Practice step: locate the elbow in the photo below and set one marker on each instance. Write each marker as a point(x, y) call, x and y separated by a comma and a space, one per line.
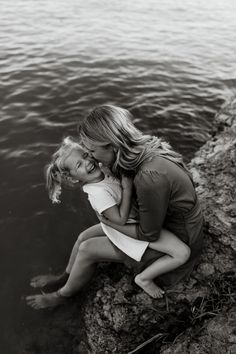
point(121, 222)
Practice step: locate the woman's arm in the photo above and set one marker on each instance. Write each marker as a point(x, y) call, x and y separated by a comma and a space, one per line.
point(153, 192)
point(118, 214)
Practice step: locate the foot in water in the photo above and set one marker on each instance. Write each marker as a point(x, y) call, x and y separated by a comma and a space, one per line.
point(149, 287)
point(46, 300)
point(42, 281)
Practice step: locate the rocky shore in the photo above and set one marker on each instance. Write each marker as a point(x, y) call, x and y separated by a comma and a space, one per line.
point(196, 316)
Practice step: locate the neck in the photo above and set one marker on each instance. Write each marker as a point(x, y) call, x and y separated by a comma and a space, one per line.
point(98, 179)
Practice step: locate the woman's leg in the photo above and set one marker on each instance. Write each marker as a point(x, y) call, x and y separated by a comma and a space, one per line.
point(175, 252)
point(59, 280)
point(93, 231)
point(91, 251)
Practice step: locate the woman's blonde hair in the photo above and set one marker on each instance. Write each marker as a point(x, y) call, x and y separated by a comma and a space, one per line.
point(113, 125)
point(56, 172)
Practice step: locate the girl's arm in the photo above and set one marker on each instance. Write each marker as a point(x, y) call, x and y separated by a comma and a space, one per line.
point(127, 229)
point(118, 214)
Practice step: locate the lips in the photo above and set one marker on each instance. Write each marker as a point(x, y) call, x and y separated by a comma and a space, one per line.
point(91, 167)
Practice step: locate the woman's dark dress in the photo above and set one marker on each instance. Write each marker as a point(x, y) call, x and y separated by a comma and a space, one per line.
point(167, 199)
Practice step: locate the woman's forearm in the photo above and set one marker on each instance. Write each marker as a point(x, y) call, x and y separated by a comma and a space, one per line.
point(125, 205)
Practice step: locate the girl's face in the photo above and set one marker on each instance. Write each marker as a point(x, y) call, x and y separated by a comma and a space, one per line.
point(102, 153)
point(82, 167)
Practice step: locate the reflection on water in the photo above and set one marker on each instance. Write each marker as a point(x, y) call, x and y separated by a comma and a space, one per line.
point(171, 63)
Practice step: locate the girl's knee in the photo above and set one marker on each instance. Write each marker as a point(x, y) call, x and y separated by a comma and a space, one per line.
point(185, 254)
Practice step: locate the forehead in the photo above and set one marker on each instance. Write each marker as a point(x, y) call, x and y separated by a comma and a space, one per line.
point(73, 157)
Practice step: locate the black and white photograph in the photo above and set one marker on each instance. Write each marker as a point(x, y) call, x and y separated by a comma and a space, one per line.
point(118, 166)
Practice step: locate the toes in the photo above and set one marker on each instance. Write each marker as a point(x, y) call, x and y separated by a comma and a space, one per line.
point(34, 301)
point(38, 282)
point(33, 284)
point(30, 297)
point(37, 278)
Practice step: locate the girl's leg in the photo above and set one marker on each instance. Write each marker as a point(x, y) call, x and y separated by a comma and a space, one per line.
point(60, 279)
point(176, 253)
point(91, 251)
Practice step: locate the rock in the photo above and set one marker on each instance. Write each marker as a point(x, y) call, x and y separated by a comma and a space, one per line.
point(216, 336)
point(121, 317)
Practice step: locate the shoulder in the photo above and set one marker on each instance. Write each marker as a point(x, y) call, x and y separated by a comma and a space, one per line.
point(156, 166)
point(155, 172)
point(93, 188)
point(156, 163)
point(160, 166)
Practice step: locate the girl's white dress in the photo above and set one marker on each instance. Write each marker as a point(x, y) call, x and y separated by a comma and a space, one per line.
point(105, 194)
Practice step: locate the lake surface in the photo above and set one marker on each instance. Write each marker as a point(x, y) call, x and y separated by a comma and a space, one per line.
point(172, 63)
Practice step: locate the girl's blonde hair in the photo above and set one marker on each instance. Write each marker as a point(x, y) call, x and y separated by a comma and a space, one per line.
point(113, 125)
point(56, 172)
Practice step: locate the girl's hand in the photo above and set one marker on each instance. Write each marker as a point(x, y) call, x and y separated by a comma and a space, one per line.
point(99, 216)
point(126, 182)
point(102, 218)
point(105, 221)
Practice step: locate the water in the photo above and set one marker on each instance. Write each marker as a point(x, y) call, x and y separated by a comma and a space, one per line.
point(172, 63)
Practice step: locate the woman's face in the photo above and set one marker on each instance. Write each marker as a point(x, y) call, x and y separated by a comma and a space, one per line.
point(102, 153)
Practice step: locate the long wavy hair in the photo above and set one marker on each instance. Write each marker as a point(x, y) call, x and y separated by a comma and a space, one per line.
point(56, 173)
point(113, 125)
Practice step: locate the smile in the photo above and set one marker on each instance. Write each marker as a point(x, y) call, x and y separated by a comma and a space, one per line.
point(91, 167)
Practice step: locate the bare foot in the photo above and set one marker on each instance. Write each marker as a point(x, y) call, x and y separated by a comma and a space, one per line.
point(149, 287)
point(44, 301)
point(48, 280)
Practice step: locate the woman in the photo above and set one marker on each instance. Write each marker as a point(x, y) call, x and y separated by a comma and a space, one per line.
point(165, 196)
point(164, 188)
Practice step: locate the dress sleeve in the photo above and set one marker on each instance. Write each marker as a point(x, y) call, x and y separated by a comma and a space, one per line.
point(153, 193)
point(100, 199)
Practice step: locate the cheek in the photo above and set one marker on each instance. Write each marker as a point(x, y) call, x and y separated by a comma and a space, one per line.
point(109, 156)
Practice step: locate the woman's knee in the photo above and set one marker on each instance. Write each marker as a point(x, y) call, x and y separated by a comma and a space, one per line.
point(83, 236)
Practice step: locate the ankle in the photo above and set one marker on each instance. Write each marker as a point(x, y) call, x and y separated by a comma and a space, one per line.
point(65, 275)
point(64, 293)
point(60, 294)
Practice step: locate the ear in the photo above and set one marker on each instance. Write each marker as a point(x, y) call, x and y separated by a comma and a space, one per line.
point(71, 179)
point(67, 178)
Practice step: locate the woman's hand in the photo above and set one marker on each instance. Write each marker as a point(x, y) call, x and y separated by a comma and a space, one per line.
point(126, 183)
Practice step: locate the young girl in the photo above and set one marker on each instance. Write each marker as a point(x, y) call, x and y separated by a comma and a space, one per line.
point(111, 199)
